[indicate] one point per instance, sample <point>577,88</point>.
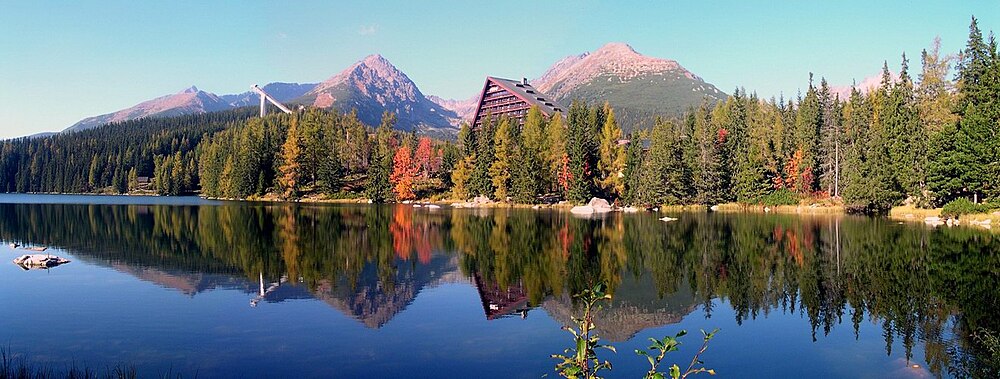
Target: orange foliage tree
<point>424,157</point>
<point>795,177</point>
<point>403,173</point>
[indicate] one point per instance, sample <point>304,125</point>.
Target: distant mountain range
<point>188,101</point>
<point>637,86</point>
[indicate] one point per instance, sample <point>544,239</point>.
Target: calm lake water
<point>174,284</point>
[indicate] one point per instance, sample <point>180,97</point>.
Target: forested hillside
<point>923,140</point>
<point>103,159</point>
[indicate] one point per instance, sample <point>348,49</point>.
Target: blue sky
<point>61,61</point>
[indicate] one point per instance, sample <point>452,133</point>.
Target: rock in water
<point>39,261</point>
<point>599,205</point>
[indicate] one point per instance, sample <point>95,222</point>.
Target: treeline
<point>111,158</point>
<point>317,152</point>
<point>924,141</point>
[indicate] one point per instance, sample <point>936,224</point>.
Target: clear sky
<point>61,61</point>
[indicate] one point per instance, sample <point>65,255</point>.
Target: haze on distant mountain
<point>282,92</point>
<point>639,87</point>
<point>866,85</point>
<point>188,101</point>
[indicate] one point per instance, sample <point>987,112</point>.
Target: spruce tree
<point>378,189</point>
<point>580,152</point>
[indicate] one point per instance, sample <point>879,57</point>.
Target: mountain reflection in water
<point>929,286</point>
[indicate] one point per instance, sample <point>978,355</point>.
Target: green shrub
<point>963,206</point>
<point>782,196</point>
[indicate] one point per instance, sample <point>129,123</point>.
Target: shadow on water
<point>931,286</point>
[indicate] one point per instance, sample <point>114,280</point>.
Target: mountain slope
<point>866,85</point>
<point>188,101</point>
<point>463,109</point>
<point>282,92</point>
<point>638,86</point>
<point>374,85</point>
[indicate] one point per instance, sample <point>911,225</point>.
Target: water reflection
<point>929,286</point>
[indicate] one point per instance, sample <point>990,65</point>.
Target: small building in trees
<point>506,97</point>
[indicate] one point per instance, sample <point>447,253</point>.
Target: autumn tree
<point>404,171</point>
<point>611,156</point>
<point>290,178</point>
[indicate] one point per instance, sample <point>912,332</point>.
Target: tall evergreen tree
<point>378,189</point>
<point>611,156</point>
<point>580,150</point>
<point>503,153</point>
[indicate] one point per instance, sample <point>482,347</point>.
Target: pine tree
<point>808,121</point>
<point>704,159</point>
<point>633,169</point>
<point>935,97</point>
<point>973,156</point>
<point>290,180</point>
<point>557,160</point>
<point>378,189</point>
<point>581,152</point>
<point>503,151</point>
<point>527,178</point>
<point>664,177</point>
<point>611,161</point>
<point>480,182</point>
<point>460,177</point>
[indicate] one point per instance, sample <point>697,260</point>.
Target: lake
<point>228,289</point>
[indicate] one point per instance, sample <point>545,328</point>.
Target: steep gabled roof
<point>524,91</point>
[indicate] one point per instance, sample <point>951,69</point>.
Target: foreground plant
<point>668,344</point>
<point>581,360</point>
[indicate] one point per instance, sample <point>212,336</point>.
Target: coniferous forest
<point>923,140</point>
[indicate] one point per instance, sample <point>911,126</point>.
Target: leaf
<point>675,372</point>
<point>711,372</point>
<point>683,333</point>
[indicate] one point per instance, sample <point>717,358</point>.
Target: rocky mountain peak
<point>618,48</point>
<point>617,61</point>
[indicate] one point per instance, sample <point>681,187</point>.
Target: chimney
<point>524,81</point>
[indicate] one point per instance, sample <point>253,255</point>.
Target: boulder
<point>599,205</point>
<point>582,210</point>
<point>630,209</point>
<point>39,260</point>
<point>481,200</point>
<point>432,206</point>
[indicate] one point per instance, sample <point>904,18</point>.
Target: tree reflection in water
<point>922,285</point>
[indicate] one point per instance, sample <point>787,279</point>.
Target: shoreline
<point>908,214</point>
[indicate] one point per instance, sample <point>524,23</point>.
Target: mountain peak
<point>375,59</point>
<point>616,47</point>
<point>191,89</point>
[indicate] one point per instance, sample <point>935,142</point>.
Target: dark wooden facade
<point>505,97</point>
